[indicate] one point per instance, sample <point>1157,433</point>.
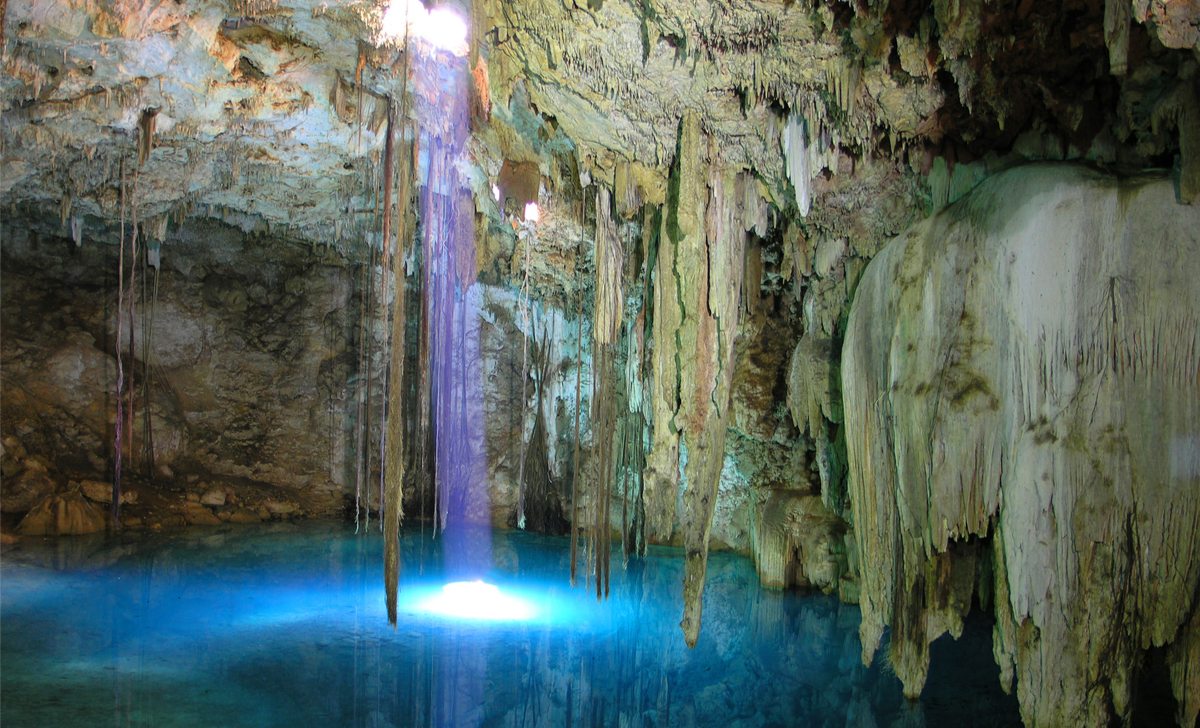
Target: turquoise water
<point>285,625</point>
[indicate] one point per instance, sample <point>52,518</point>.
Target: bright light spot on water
<point>531,212</point>
<point>477,600</point>
<point>441,27</point>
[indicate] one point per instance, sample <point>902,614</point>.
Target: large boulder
<point>1021,379</point>
<point>68,514</point>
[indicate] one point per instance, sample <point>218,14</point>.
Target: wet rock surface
<point>1003,429</point>
<point>234,370</point>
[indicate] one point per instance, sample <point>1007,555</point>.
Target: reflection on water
<point>285,625</point>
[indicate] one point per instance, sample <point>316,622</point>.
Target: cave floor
<point>284,624</point>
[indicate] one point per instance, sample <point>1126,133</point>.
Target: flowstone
<point>1023,366</point>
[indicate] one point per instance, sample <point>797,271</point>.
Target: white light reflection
<point>477,600</point>
<point>531,212</point>
<point>441,27</point>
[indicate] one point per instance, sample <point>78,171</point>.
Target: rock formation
<point>1021,378</point>
<point>660,213</point>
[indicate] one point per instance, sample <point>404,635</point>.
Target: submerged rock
<point>1021,383</point>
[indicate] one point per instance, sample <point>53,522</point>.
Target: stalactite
<point>526,326</point>
<point>393,463</point>
<point>132,348</point>
<point>64,208</point>
<point>146,135</point>
<point>147,327</point>
<point>604,426</point>
<point>578,400</point>
<point>1116,35</point>
<point>358,422</point>
<point>606,331</point>
<point>372,306</point>
<point>660,477</point>
<point>116,489</point>
<point>841,79</point>
<point>425,395</point>
<point>536,471</point>
<point>993,389</point>
<point>795,151</point>
<point>386,246</point>
<point>713,290</point>
<point>699,271</point>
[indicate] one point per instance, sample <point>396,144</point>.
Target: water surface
<point>285,625</point>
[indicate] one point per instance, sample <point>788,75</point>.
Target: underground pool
<point>285,625</point>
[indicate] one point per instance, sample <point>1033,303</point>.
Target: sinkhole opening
<point>441,27</point>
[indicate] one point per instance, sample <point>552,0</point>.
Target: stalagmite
<point>1025,366</point>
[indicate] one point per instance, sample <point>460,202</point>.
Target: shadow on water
<point>284,625</point>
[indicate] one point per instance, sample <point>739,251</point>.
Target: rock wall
<point>246,366</point>
<point>1021,384</point>
<point>254,384</point>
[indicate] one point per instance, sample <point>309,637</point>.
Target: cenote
<point>285,625</point>
<point>760,363</point>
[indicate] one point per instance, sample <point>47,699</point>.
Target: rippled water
<point>284,625</point>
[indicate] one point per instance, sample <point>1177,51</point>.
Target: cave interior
<point>889,307</point>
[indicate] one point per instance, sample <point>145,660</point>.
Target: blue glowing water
<point>285,625</point>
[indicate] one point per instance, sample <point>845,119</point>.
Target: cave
<point>644,363</point>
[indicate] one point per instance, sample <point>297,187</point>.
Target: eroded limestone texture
<point>242,357</point>
<point>1021,377</point>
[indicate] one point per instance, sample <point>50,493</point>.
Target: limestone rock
<point>68,514</point>
<point>815,400</point>
<point>797,541</point>
<point>199,515</point>
<point>1177,23</point>
<point>96,490</point>
<point>213,497</point>
<point>101,492</point>
<point>1023,365</point>
<point>813,395</point>
<point>244,515</point>
<point>762,351</point>
<point>28,488</point>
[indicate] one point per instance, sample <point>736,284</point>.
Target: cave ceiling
<point>271,115</point>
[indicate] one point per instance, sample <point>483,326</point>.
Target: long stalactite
<point>606,333</point>
<point>697,298</point>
